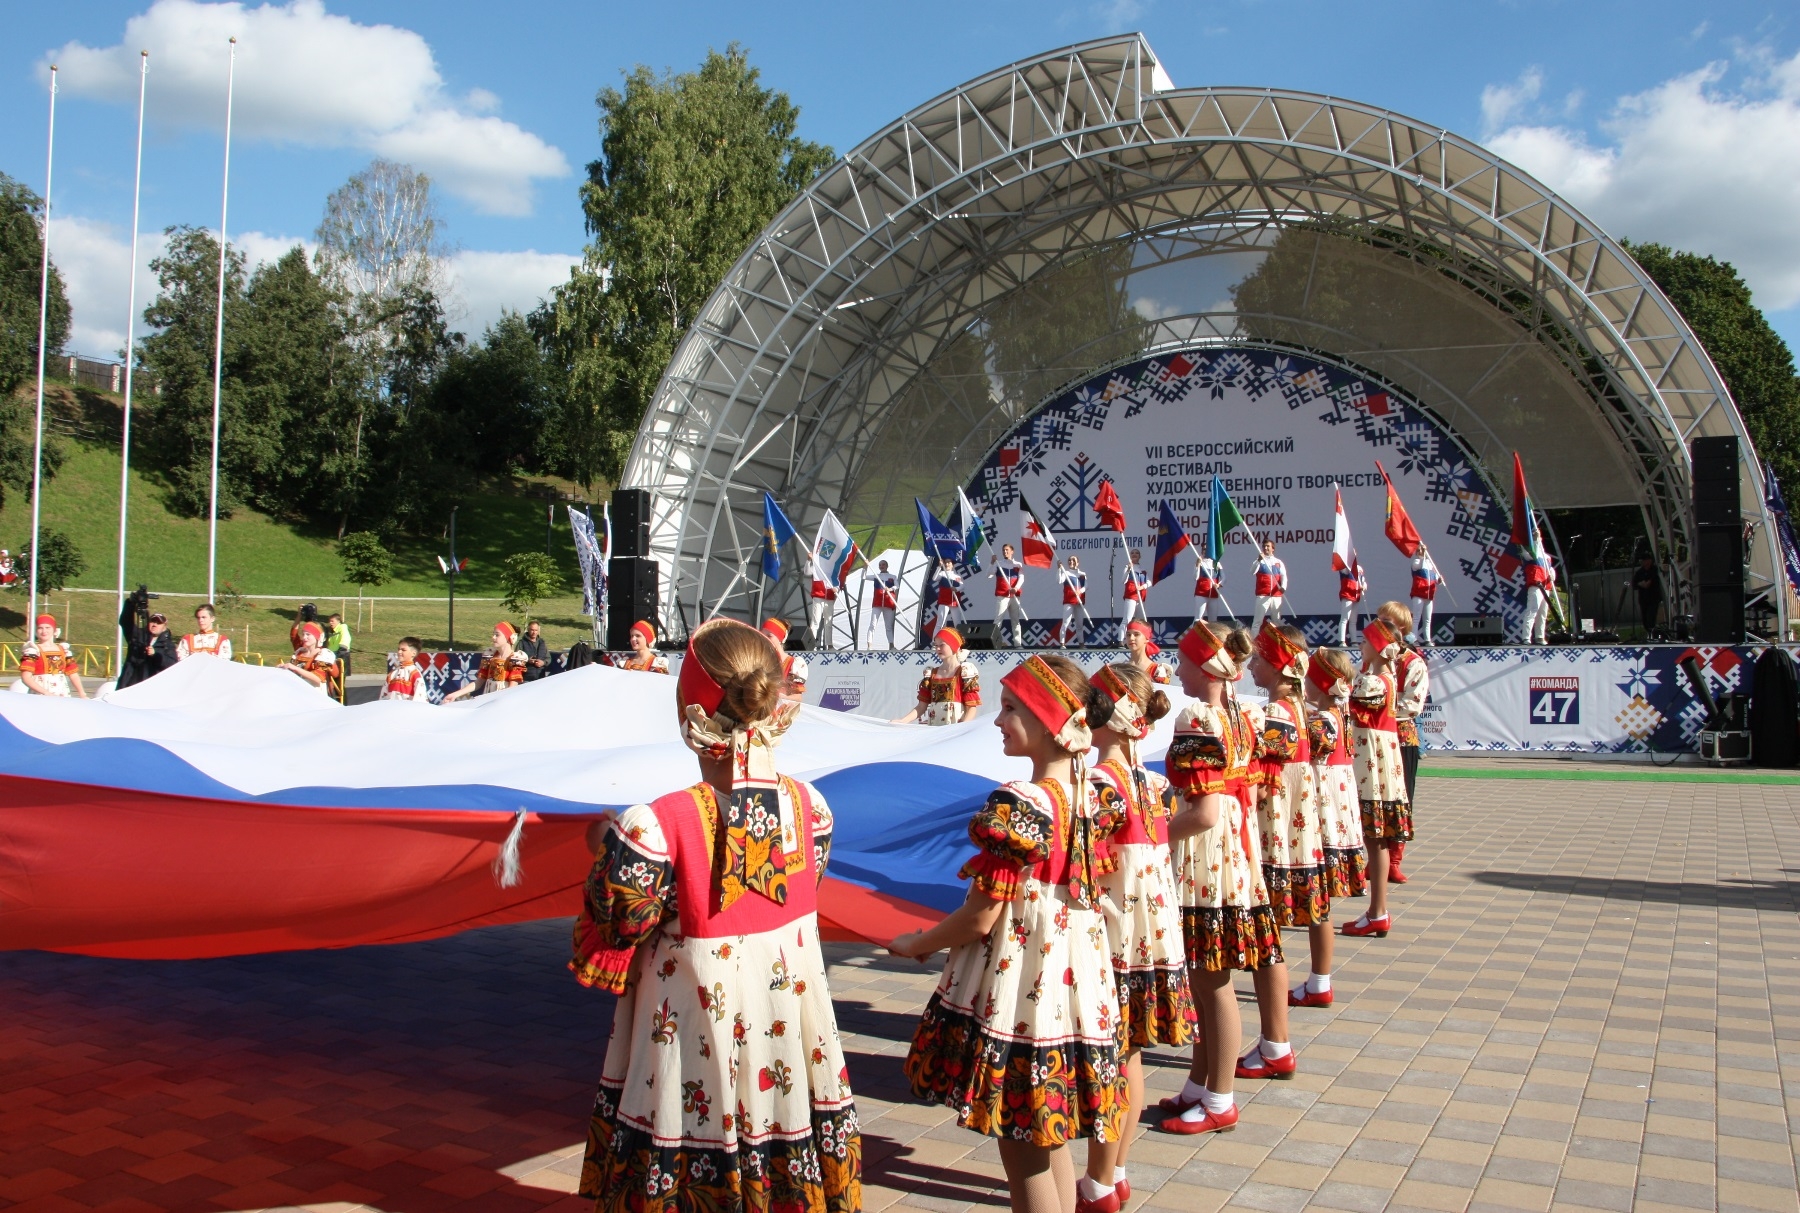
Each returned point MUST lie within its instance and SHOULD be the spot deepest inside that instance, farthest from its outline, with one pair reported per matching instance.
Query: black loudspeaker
(1719, 542)
(1479, 630)
(630, 596)
(631, 522)
(1716, 482)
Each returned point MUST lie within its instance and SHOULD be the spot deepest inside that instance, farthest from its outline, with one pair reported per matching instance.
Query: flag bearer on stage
(793, 665)
(1415, 688)
(1009, 586)
(1352, 585)
(884, 600)
(1226, 921)
(1538, 592)
(1380, 778)
(1425, 581)
(822, 613)
(1074, 594)
(208, 640)
(1021, 1038)
(1148, 959)
(1137, 589)
(1271, 586)
(946, 585)
(1209, 580)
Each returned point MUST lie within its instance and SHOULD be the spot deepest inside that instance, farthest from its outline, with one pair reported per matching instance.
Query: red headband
(46, 619)
(1381, 634)
(1151, 648)
(1200, 644)
(645, 630)
(1323, 677)
(775, 629)
(1274, 646)
(1046, 696)
(309, 629)
(951, 637)
(506, 630)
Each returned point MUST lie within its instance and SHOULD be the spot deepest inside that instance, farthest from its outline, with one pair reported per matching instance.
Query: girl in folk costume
(1142, 651)
(1137, 589)
(407, 679)
(208, 640)
(1074, 596)
(644, 658)
(946, 589)
(793, 666)
(950, 692)
(1352, 585)
(1226, 921)
(884, 600)
(47, 666)
(1209, 582)
(1380, 782)
(315, 664)
(1271, 585)
(1415, 687)
(724, 1085)
(1328, 681)
(1022, 1036)
(501, 668)
(1148, 960)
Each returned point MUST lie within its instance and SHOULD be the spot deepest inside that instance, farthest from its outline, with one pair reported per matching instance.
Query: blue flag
(1790, 556)
(1171, 540)
(777, 530)
(940, 540)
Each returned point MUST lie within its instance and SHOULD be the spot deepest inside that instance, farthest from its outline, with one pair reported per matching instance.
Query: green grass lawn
(262, 557)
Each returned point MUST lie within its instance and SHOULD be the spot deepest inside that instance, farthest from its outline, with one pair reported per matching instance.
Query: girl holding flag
(1137, 590)
(1271, 586)
(1074, 595)
(1425, 580)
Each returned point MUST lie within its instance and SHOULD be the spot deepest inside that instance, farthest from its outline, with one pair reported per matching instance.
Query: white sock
(1319, 983)
(1275, 1050)
(1214, 1103)
(1367, 918)
(1118, 1176)
(1191, 1091)
(1090, 1189)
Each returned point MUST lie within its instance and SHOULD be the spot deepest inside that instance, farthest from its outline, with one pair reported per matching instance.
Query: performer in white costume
(1271, 586)
(1137, 591)
(946, 587)
(208, 641)
(1009, 584)
(1209, 581)
(1074, 596)
(1537, 607)
(1352, 585)
(1425, 581)
(884, 599)
(822, 613)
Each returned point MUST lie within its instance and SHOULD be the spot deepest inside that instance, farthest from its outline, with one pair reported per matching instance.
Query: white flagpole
(137, 191)
(37, 466)
(212, 538)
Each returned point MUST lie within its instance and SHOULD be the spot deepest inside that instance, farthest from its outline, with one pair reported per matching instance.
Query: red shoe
(1175, 1105)
(1212, 1122)
(1255, 1065)
(1394, 873)
(1122, 1190)
(1365, 926)
(1303, 998)
(1106, 1204)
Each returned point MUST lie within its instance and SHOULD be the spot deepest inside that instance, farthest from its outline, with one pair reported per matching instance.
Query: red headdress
(46, 619)
(1058, 707)
(951, 637)
(1383, 636)
(313, 630)
(1151, 648)
(1206, 649)
(643, 629)
(1326, 679)
(1276, 648)
(776, 630)
(506, 629)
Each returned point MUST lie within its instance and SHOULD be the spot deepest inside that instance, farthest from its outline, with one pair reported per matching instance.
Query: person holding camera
(149, 645)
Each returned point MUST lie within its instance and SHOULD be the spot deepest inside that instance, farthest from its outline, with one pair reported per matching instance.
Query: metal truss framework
(892, 253)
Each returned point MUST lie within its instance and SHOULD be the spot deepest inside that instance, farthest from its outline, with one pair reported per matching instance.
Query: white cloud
(1501, 102)
(1691, 164)
(486, 283)
(310, 77)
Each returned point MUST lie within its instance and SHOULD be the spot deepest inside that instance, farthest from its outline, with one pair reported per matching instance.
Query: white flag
(833, 552)
(1343, 549)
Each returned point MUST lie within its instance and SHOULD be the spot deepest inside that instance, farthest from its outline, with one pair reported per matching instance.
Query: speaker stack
(631, 577)
(1719, 559)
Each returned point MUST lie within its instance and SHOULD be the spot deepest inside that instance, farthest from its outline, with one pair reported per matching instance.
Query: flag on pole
(1108, 507)
(1343, 548)
(1525, 546)
(1222, 517)
(968, 525)
(1790, 555)
(1038, 543)
(587, 554)
(1399, 525)
(1171, 540)
(777, 530)
(939, 540)
(833, 553)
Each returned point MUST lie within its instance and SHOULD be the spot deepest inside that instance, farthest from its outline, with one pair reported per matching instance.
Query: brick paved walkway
(1591, 1001)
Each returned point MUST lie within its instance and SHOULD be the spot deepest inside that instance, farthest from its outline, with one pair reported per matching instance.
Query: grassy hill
(264, 559)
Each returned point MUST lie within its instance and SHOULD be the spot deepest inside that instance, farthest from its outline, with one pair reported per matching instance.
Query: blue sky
(1670, 121)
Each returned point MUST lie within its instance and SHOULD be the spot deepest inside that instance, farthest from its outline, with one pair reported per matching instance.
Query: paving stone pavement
(1591, 1001)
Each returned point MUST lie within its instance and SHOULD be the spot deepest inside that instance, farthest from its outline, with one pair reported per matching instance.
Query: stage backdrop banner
(1280, 430)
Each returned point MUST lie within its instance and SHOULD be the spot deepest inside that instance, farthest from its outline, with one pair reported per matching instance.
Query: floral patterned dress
(1380, 778)
(942, 700)
(1147, 955)
(1023, 1034)
(1334, 790)
(724, 1085)
(1288, 820)
(1226, 920)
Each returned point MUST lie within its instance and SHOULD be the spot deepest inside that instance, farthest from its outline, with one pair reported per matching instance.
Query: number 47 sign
(1555, 700)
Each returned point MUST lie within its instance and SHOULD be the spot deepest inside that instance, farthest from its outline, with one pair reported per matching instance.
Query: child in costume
(950, 692)
(1328, 681)
(1142, 651)
(1226, 921)
(1415, 688)
(644, 658)
(1074, 595)
(1022, 1036)
(407, 679)
(48, 666)
(502, 668)
(1148, 960)
(724, 1085)
(315, 664)
(793, 666)
(1380, 782)
(208, 640)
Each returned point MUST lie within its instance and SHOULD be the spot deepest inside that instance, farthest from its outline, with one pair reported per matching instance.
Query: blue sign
(1555, 700)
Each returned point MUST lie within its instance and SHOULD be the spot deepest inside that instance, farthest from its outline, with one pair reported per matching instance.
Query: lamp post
(452, 572)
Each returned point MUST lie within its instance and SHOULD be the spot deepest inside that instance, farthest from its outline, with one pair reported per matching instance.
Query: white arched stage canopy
(962, 268)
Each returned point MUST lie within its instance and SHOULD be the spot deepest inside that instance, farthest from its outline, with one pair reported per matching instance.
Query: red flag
(1524, 546)
(1038, 542)
(1400, 529)
(1107, 505)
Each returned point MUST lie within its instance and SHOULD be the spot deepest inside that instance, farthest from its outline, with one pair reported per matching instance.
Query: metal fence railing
(97, 659)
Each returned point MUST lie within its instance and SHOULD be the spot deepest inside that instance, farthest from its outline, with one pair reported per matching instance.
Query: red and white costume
(405, 682)
(821, 614)
(1074, 595)
(1137, 593)
(884, 601)
(1293, 844)
(1209, 581)
(1334, 788)
(652, 662)
(1380, 773)
(946, 590)
(1425, 582)
(50, 664)
(208, 644)
(8, 574)
(1352, 585)
(1009, 586)
(1271, 591)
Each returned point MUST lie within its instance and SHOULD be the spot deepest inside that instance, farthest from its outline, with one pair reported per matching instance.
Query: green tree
(528, 578)
(63, 561)
(366, 561)
(21, 280)
(692, 167)
(1755, 362)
